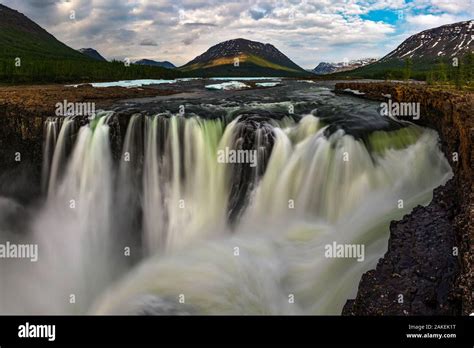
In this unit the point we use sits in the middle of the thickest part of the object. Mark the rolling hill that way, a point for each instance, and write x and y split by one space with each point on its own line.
241 57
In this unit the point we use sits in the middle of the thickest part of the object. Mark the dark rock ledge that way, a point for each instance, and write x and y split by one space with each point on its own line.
23 110
421 263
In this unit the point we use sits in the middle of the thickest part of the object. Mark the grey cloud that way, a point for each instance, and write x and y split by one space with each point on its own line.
148 42
42 3
261 10
125 34
257 13
197 4
195 24
295 44
190 39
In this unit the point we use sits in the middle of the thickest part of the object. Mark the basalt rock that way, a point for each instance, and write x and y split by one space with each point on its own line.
20 155
423 246
23 111
253 133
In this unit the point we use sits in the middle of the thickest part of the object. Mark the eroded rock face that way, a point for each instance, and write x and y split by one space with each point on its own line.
418 273
20 153
415 261
23 111
253 133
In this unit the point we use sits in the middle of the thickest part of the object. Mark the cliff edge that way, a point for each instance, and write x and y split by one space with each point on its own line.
428 268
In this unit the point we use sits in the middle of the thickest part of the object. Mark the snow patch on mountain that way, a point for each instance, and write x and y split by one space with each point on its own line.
446 41
324 68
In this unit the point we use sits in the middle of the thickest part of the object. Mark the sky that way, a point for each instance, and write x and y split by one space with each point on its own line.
307 31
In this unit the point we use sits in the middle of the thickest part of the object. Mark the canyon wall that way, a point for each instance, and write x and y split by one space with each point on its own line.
21 138
23 110
428 267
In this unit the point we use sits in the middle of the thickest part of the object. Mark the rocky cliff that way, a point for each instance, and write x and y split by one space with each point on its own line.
23 111
429 259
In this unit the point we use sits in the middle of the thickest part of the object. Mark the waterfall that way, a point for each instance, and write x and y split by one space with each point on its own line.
181 176
50 136
317 190
73 230
60 153
128 195
171 229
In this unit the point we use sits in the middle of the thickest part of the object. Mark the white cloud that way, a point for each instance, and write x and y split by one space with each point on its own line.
454 6
419 23
308 31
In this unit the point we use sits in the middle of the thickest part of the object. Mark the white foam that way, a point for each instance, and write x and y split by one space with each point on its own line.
245 78
231 85
127 83
267 84
354 91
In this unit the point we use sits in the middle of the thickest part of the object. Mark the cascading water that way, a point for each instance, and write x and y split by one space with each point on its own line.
50 135
73 230
56 166
315 191
181 176
171 203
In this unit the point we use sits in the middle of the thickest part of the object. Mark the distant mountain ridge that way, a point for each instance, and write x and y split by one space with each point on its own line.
324 68
241 57
150 62
92 53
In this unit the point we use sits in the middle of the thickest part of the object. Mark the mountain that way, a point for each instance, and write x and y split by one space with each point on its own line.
92 53
149 62
324 68
23 38
426 50
446 41
29 54
253 58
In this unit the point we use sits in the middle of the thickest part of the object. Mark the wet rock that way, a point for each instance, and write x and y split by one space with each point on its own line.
13 216
23 111
253 133
421 244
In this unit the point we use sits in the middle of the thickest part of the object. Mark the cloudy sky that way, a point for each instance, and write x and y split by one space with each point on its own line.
307 31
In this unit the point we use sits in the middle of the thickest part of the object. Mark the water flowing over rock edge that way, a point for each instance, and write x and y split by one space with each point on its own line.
440 284
446 112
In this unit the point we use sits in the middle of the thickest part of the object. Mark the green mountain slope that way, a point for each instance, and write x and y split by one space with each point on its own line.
23 38
252 58
29 54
